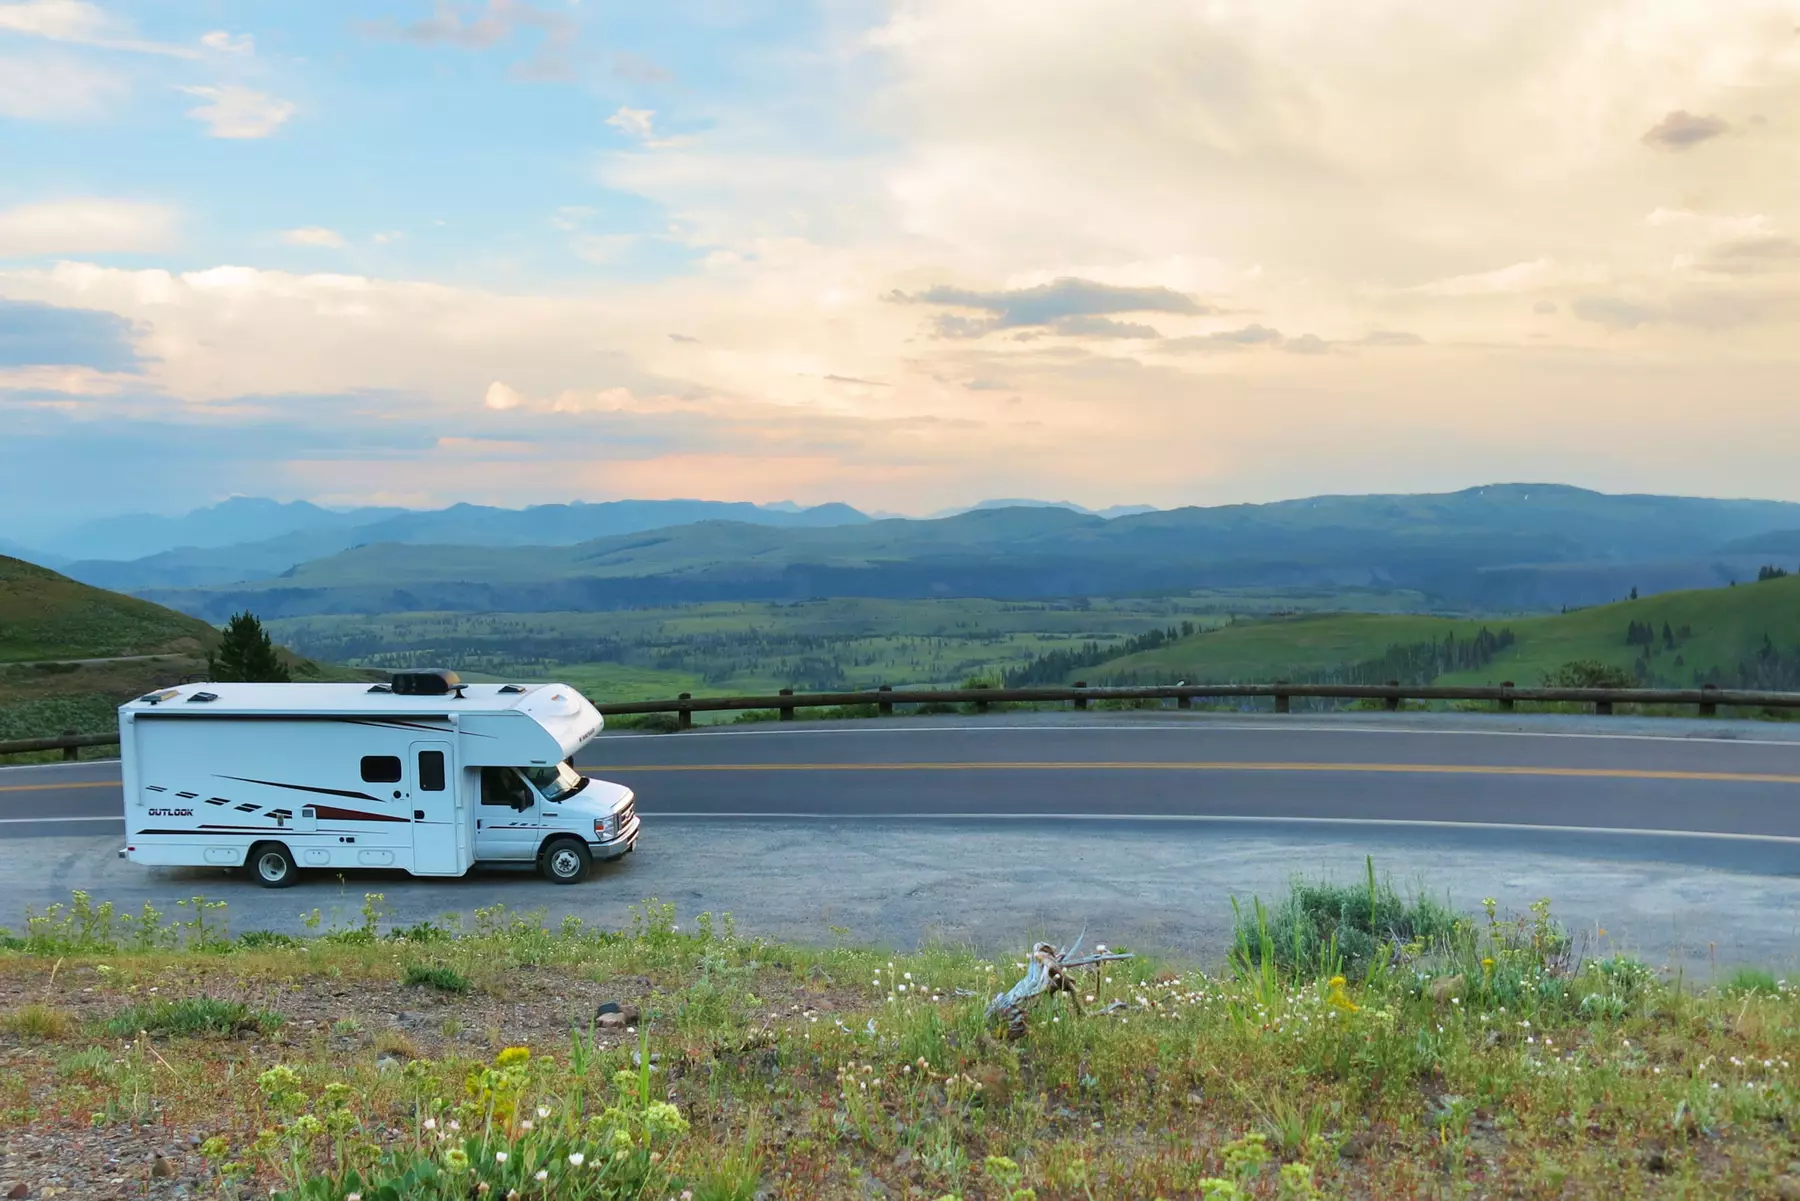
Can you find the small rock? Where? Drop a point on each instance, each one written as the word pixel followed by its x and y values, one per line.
pixel 872 1187
pixel 903 1157
pixel 1195 1099
pixel 387 1063
pixel 18 1192
pixel 613 1016
pixel 1357 1145
pixel 161 1167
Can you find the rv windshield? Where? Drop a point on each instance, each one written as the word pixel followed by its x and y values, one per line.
pixel 556 783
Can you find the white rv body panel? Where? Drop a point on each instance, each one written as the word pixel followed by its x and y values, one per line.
pixel 345 776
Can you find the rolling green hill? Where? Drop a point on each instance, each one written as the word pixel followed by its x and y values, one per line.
pixel 1748 635
pixel 70 654
pixel 45 615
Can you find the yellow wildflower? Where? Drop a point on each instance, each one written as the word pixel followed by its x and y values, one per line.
pixel 1337 998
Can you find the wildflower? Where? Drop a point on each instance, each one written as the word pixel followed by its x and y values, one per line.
pixel 525 1124
pixel 482 1188
pixel 352 1197
pixel 576 1159
pixel 431 1123
pixel 1337 998
pixel 543 1112
pixel 542 1175
pixel 499 1157
pixel 457 1158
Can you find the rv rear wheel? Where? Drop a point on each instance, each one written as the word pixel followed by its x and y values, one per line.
pixel 272 865
pixel 565 861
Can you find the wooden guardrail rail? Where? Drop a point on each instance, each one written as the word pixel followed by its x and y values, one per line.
pixel 1706 700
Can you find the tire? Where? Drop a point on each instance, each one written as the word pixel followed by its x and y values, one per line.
pixel 272 865
pixel 565 861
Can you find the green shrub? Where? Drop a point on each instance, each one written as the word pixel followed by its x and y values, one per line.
pixel 190 1016
pixel 1749 980
pixel 444 979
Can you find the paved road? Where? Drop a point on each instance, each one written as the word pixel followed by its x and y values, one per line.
pixel 1683 790
pixel 997 828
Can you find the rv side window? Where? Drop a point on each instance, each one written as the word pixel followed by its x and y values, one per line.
pixel 381 769
pixel 431 771
pixel 502 786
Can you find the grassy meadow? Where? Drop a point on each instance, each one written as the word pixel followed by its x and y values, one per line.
pixel 1356 1044
pixel 1713 632
pixel 733 648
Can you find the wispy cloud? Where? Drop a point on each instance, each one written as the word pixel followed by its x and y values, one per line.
pixel 85 225
pixel 233 111
pixel 56 88
pixel 1069 306
pixel 82 24
pixel 1681 130
pixel 313 235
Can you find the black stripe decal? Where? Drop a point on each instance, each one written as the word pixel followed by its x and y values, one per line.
pixel 360 796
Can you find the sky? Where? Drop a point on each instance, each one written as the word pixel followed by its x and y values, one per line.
pixel 906 254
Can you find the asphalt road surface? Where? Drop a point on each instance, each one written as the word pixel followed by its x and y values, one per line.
pixel 1677 824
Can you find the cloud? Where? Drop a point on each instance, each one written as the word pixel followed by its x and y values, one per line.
pixel 851 379
pixel 682 338
pixel 313 235
pixel 79 23
pixel 1391 337
pixel 85 225
pixel 633 68
pixel 1682 129
pixel 56 88
pixel 1225 340
pixel 1750 256
pixel 42 335
pixel 492 26
pixel 640 123
pixel 1542 307
pixel 1612 312
pixel 229 43
pixel 1307 344
pixel 1069 306
pixel 233 111
pixel 500 397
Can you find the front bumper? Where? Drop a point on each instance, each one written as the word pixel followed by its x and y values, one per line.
pixel 623 843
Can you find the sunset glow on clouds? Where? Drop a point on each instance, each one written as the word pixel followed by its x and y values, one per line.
pixel 903 255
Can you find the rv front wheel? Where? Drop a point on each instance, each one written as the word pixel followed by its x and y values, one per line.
pixel 565 861
pixel 272 865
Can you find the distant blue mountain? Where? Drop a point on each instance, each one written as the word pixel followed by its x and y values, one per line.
pixel 240 519
pixel 211 557
pixel 1022 503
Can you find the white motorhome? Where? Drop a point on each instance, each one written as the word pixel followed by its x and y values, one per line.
pixel 426 774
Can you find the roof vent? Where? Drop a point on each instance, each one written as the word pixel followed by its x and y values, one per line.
pixel 380 688
pixel 200 698
pixel 435 682
pixel 508 689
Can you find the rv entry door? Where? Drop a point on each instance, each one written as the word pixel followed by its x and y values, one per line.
pixel 435 820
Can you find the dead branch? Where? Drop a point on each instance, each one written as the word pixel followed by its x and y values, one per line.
pixel 1047 971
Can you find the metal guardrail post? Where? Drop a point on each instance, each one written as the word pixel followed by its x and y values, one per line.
pixel 684 716
pixel 1282 701
pixel 1707 708
pixel 981 705
pixel 1080 701
pixel 1603 708
pixel 1506 702
pixel 786 712
pixel 70 753
pixel 885 708
pixel 1393 702
pixel 1184 701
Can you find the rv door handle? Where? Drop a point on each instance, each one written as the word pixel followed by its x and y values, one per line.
pixel 418 815
pixel 396 794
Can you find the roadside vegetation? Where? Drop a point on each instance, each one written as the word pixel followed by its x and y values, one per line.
pixel 1358 1043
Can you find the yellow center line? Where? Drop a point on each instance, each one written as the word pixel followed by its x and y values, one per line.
pixel 1416 769
pixel 1454 769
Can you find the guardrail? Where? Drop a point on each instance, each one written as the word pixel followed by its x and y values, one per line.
pixel 1707 701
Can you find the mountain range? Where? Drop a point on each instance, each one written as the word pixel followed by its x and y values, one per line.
pixel 1500 547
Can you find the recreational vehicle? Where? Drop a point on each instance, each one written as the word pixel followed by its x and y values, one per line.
pixel 426 774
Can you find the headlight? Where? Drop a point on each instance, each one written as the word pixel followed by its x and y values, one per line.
pixel 605 827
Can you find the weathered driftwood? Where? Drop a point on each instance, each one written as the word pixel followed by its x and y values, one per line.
pixel 1047 971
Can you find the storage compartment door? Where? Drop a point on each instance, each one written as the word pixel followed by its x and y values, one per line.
pixel 437 849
